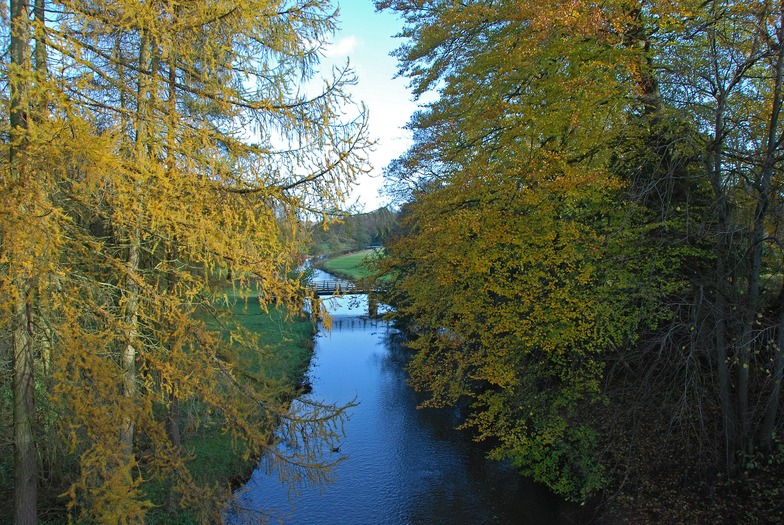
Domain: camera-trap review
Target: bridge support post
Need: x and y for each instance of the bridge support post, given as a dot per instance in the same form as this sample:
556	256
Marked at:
372	305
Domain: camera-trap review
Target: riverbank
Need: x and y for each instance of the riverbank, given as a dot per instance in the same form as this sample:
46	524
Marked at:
349	266
287	340
279	357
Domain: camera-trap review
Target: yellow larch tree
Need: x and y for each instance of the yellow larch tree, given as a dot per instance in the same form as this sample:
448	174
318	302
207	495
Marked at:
176	142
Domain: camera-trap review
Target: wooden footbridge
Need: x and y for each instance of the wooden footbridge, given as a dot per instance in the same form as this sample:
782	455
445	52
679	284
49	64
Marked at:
344	287
338	287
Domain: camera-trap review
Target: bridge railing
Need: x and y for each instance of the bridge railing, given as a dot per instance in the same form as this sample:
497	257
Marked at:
332	287
340	287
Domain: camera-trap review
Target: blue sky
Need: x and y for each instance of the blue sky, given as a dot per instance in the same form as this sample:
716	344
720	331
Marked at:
366	38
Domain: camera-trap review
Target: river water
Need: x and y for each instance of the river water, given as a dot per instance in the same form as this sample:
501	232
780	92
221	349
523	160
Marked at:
404	465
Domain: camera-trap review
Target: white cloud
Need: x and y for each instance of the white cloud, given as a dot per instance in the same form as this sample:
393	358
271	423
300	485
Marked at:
342	47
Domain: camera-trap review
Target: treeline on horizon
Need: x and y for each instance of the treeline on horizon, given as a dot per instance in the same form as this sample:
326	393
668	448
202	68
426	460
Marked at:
590	253
353	232
159	163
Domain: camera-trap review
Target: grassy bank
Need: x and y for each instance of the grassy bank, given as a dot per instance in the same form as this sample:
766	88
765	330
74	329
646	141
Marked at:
286	347
349	266
286	339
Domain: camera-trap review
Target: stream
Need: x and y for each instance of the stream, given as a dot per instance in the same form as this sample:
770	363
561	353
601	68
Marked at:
403	465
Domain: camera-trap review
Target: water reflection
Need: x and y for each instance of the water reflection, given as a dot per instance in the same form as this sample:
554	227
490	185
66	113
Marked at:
404	465
353	323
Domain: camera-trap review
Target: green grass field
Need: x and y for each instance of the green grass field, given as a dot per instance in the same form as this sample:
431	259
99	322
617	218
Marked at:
285	339
349	266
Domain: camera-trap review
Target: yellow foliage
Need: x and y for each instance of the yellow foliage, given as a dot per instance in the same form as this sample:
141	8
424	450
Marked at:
140	185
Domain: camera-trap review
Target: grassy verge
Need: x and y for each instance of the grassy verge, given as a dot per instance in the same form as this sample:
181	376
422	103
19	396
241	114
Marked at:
349	266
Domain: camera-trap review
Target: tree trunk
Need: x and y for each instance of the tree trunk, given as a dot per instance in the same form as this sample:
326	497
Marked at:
723	286
128	357
772	408
173	421
40	54
722	369
25	460
765	436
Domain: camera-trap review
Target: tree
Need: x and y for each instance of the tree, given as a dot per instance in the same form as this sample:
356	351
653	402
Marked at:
594	216
147	187
353	232
728	81
20	280
507	266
